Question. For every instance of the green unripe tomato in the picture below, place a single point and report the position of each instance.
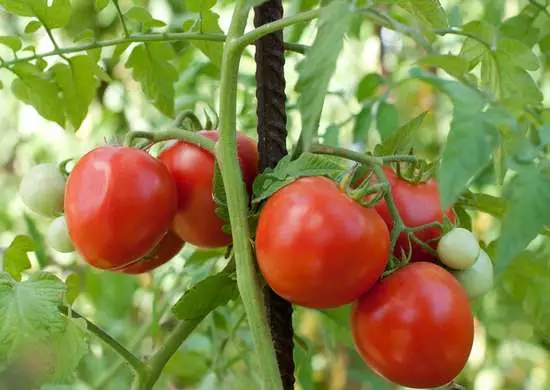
(58, 237)
(458, 249)
(42, 190)
(478, 279)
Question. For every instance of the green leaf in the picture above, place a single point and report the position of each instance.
(287, 170)
(519, 87)
(32, 26)
(69, 348)
(40, 90)
(467, 151)
(100, 4)
(454, 65)
(362, 124)
(205, 296)
(36, 235)
(368, 85)
(316, 69)
(142, 15)
(403, 139)
(56, 15)
(16, 258)
(72, 285)
(429, 11)
(387, 119)
(206, 21)
(485, 203)
(200, 5)
(78, 86)
(151, 66)
(515, 53)
(526, 281)
(12, 42)
(473, 50)
(528, 196)
(29, 310)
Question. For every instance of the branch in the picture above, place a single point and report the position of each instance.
(176, 338)
(132, 360)
(154, 37)
(276, 25)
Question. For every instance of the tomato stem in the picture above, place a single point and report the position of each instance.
(276, 25)
(132, 360)
(376, 163)
(248, 281)
(175, 134)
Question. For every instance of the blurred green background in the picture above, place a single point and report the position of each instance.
(510, 351)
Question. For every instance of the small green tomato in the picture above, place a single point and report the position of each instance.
(478, 279)
(458, 249)
(42, 190)
(58, 237)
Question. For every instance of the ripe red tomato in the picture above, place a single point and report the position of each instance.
(418, 204)
(192, 169)
(166, 249)
(119, 203)
(318, 248)
(415, 327)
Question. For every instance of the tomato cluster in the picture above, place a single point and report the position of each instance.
(412, 324)
(124, 210)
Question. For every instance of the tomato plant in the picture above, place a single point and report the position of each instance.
(119, 203)
(418, 204)
(415, 327)
(309, 233)
(192, 169)
(452, 95)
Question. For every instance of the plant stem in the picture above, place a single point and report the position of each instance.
(134, 38)
(132, 360)
(226, 153)
(179, 134)
(277, 25)
(174, 341)
(121, 17)
(359, 157)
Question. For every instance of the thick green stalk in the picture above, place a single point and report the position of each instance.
(226, 153)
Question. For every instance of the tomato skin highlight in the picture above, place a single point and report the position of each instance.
(318, 248)
(415, 327)
(418, 204)
(192, 169)
(119, 203)
(167, 248)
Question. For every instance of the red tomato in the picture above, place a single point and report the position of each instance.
(192, 169)
(418, 204)
(415, 327)
(318, 248)
(167, 248)
(119, 203)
